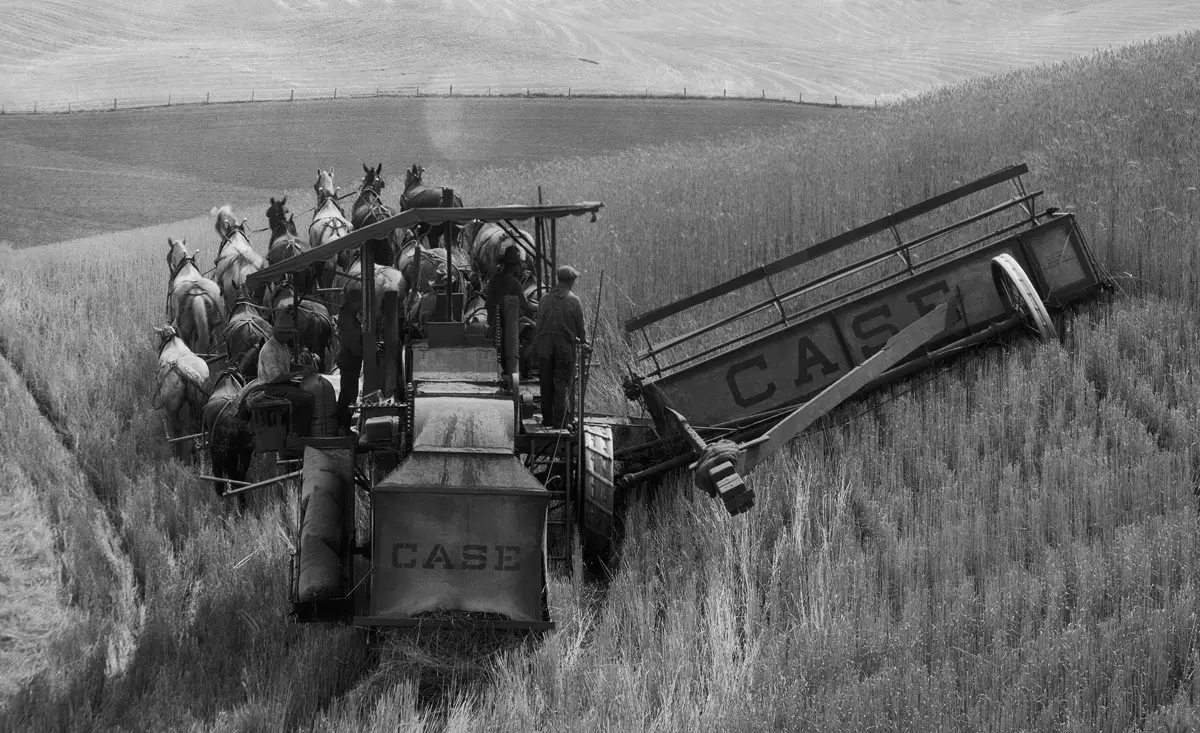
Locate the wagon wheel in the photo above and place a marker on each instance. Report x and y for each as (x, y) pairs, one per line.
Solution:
(1018, 294)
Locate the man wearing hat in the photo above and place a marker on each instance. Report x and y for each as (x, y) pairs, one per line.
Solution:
(278, 377)
(350, 353)
(505, 282)
(559, 329)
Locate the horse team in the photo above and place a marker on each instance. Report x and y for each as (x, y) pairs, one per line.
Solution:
(218, 319)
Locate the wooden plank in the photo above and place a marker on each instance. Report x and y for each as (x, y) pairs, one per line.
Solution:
(408, 219)
(924, 330)
(823, 248)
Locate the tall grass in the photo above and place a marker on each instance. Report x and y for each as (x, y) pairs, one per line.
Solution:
(1012, 546)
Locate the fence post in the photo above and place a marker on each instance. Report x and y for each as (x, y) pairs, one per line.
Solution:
(527, 92)
(685, 92)
(35, 108)
(489, 91)
(68, 107)
(568, 92)
(451, 90)
(207, 96)
(292, 96)
(168, 99)
(835, 103)
(251, 95)
(418, 91)
(724, 93)
(800, 98)
(764, 94)
(335, 92)
(114, 102)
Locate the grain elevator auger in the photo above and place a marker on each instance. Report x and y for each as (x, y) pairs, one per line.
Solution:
(786, 342)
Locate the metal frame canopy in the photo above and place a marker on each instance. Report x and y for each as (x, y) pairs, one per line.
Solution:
(412, 217)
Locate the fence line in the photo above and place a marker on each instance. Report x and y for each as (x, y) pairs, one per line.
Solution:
(257, 96)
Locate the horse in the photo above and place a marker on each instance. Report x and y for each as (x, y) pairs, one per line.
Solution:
(486, 243)
(194, 303)
(182, 381)
(245, 333)
(329, 223)
(235, 257)
(419, 196)
(230, 438)
(387, 279)
(432, 260)
(285, 244)
(314, 327)
(475, 314)
(369, 209)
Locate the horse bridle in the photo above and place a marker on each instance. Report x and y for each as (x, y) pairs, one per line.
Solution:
(178, 268)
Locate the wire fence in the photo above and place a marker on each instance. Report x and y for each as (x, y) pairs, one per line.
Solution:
(244, 96)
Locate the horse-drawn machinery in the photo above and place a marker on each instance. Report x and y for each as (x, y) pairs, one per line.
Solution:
(470, 500)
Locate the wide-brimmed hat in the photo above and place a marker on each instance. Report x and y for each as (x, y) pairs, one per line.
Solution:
(284, 323)
(567, 274)
(512, 256)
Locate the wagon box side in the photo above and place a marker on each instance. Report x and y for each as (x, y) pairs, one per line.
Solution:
(791, 365)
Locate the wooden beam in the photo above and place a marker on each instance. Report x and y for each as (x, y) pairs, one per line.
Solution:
(918, 333)
(823, 248)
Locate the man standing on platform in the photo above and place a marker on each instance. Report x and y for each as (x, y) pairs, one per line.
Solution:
(350, 355)
(559, 329)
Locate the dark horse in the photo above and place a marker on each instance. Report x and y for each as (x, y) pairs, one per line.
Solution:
(230, 437)
(245, 333)
(419, 196)
(314, 326)
(285, 244)
(369, 209)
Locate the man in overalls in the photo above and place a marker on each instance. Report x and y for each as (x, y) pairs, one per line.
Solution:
(559, 329)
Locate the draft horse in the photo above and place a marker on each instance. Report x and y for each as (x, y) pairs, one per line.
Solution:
(236, 259)
(417, 195)
(329, 223)
(229, 436)
(245, 333)
(314, 327)
(182, 382)
(194, 304)
(369, 209)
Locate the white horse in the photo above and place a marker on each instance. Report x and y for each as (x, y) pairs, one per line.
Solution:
(329, 223)
(486, 243)
(387, 279)
(194, 304)
(182, 381)
(235, 257)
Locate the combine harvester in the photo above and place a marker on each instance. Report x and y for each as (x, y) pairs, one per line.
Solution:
(470, 501)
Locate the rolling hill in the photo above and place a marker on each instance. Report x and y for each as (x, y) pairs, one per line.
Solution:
(65, 50)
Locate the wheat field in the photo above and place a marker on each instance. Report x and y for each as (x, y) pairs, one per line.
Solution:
(1010, 543)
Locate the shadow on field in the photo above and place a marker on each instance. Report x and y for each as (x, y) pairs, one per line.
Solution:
(446, 666)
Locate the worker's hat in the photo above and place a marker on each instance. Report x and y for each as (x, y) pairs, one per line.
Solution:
(512, 256)
(567, 274)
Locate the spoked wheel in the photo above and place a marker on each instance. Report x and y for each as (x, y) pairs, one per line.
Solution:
(1019, 296)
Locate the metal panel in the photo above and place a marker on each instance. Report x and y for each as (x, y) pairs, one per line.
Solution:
(476, 551)
(458, 362)
(598, 506)
(463, 422)
(1058, 248)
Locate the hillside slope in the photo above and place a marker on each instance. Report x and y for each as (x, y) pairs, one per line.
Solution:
(1010, 544)
(860, 49)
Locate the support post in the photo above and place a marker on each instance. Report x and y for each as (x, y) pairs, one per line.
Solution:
(292, 96)
(448, 243)
(370, 326)
(391, 342)
(207, 97)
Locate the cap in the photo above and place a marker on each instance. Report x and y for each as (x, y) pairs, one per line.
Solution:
(284, 322)
(512, 256)
(567, 274)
